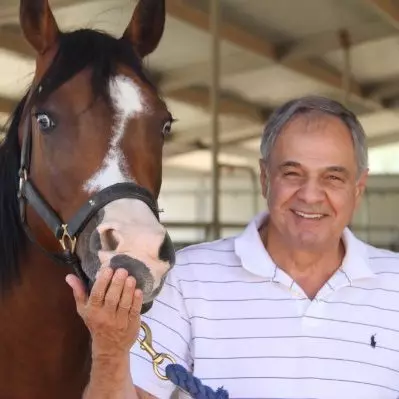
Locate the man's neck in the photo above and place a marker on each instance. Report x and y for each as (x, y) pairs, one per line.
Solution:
(309, 269)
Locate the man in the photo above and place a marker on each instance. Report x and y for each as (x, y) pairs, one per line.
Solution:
(293, 307)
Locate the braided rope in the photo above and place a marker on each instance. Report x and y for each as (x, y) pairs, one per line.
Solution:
(192, 385)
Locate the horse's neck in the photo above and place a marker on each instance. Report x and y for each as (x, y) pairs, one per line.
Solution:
(40, 270)
(40, 326)
(42, 295)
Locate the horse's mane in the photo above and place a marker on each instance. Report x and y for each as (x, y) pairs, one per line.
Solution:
(77, 50)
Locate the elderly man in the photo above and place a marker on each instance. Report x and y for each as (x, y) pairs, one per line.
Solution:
(295, 306)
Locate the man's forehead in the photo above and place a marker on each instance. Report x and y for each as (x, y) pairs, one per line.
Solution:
(305, 138)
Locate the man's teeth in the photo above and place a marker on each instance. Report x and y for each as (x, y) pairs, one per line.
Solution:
(309, 215)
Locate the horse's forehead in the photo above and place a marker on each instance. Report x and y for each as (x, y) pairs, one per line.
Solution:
(129, 81)
(126, 95)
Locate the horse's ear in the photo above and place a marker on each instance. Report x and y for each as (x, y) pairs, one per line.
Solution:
(38, 24)
(146, 27)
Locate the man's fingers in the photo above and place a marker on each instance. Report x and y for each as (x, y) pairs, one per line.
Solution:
(127, 295)
(114, 292)
(135, 309)
(78, 290)
(100, 286)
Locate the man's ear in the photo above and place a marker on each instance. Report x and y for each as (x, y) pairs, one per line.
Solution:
(263, 177)
(361, 185)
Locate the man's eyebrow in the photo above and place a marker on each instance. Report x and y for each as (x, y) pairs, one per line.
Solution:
(339, 169)
(288, 164)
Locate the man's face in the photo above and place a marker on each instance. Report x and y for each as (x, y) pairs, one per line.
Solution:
(311, 184)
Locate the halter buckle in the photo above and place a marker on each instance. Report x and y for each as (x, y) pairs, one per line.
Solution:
(23, 177)
(67, 242)
(157, 358)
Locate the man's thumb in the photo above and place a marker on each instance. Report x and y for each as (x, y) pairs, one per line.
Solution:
(78, 290)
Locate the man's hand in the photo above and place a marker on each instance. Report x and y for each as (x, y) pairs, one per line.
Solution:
(112, 311)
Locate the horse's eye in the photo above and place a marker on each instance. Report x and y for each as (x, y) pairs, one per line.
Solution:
(44, 121)
(167, 127)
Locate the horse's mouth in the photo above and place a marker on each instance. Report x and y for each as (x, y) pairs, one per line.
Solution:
(137, 269)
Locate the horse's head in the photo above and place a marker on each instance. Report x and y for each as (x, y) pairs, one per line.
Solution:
(95, 128)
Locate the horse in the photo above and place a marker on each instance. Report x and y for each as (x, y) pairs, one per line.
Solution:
(80, 176)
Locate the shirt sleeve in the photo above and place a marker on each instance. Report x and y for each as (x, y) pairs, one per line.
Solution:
(171, 334)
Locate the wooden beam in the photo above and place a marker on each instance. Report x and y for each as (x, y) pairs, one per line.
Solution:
(323, 43)
(384, 139)
(228, 105)
(247, 41)
(184, 148)
(384, 90)
(7, 105)
(228, 142)
(10, 12)
(202, 131)
(184, 12)
(12, 40)
(388, 10)
(199, 73)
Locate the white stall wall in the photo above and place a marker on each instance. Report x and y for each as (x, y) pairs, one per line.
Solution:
(377, 220)
(186, 200)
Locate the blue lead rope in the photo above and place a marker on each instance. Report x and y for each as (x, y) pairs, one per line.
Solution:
(176, 373)
(192, 385)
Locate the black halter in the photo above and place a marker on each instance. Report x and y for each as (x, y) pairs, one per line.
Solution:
(68, 232)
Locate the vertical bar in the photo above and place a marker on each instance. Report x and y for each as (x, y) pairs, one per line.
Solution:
(214, 108)
(346, 76)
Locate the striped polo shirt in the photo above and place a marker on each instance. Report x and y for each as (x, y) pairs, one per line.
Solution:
(233, 318)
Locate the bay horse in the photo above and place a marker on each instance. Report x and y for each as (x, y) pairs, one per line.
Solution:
(80, 175)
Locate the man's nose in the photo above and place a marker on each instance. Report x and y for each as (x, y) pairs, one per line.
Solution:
(311, 192)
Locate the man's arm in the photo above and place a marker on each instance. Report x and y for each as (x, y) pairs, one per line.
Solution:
(142, 394)
(112, 315)
(94, 390)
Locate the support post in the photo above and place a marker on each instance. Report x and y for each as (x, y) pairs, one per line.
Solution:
(214, 104)
(346, 75)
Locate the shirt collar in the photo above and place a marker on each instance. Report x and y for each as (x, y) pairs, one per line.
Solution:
(255, 258)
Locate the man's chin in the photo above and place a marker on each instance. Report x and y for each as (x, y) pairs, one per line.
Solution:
(313, 241)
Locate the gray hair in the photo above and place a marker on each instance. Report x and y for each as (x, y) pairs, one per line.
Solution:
(314, 104)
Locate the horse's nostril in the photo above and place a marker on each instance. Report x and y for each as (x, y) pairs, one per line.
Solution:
(167, 251)
(109, 240)
(95, 242)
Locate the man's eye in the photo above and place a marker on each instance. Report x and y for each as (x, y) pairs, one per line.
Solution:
(291, 174)
(334, 178)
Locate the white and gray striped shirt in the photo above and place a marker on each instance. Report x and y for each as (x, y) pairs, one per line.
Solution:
(236, 320)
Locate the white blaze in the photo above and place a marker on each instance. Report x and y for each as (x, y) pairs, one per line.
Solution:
(127, 102)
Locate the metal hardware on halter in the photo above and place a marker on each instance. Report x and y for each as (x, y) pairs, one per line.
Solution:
(66, 237)
(157, 358)
(23, 176)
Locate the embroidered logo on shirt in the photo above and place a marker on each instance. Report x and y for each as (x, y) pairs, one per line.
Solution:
(373, 342)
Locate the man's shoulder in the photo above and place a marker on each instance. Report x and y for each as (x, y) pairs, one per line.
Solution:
(382, 259)
(206, 260)
(208, 250)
